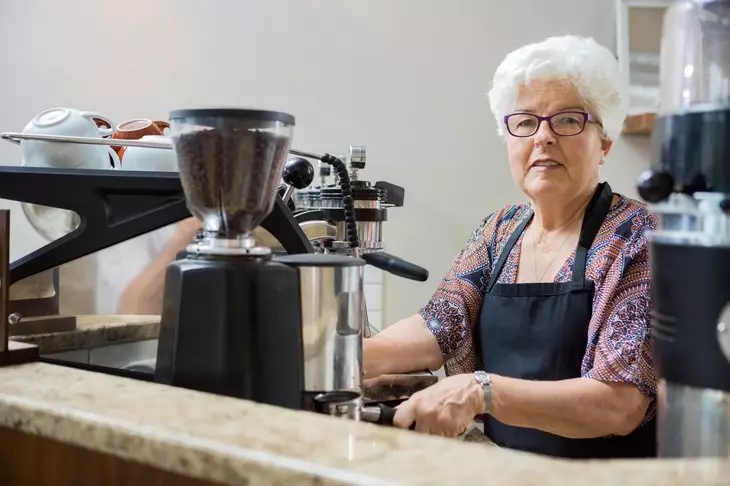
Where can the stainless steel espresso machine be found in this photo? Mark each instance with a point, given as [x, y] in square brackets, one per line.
[323, 200]
[689, 188]
[239, 321]
[318, 206]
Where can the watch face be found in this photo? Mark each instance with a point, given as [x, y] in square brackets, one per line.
[482, 377]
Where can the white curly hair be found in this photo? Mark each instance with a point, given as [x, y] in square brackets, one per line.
[581, 61]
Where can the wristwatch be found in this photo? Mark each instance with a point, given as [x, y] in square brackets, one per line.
[485, 381]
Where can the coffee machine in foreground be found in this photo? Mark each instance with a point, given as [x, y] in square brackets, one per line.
[236, 321]
[689, 188]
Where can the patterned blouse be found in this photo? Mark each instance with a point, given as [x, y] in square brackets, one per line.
[619, 346]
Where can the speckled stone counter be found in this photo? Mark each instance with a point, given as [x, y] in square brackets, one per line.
[238, 442]
[96, 330]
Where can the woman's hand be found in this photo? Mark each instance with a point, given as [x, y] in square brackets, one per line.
[446, 408]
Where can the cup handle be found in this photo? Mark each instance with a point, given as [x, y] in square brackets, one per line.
[120, 152]
[162, 125]
[105, 124]
[115, 161]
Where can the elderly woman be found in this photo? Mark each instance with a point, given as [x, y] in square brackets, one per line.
[542, 323]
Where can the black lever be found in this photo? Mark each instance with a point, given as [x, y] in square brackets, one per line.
[394, 195]
[384, 414]
[298, 173]
[397, 266]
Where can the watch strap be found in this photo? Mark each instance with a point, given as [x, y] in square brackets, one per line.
[485, 381]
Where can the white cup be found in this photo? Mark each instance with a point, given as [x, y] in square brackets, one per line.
[69, 122]
[154, 159]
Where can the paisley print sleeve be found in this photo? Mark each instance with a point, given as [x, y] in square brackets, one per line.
[623, 351]
[454, 307]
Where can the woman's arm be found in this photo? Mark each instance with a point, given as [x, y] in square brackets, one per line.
[143, 296]
[413, 345]
[576, 408]
[403, 347]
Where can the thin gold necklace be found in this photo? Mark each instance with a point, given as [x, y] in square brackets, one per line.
[534, 257]
[560, 249]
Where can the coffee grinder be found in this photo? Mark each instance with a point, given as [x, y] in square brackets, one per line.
[231, 315]
[689, 189]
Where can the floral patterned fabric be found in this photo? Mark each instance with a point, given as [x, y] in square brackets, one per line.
[619, 346]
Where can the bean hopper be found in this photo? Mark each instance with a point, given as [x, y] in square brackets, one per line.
[688, 187]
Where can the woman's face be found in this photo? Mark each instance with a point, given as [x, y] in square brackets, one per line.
[547, 164]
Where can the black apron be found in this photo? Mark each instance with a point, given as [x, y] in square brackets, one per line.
[539, 331]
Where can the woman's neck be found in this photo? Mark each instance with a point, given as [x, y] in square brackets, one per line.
[553, 215]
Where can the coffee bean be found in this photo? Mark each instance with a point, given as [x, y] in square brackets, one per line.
[230, 175]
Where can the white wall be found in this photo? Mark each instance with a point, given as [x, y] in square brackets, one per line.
[407, 78]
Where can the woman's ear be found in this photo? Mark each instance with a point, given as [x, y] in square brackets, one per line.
[606, 145]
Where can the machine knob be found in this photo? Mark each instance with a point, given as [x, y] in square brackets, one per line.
[654, 187]
[358, 156]
[298, 173]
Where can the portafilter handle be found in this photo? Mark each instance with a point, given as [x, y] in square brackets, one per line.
[397, 266]
[380, 414]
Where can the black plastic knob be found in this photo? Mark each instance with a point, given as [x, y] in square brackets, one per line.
[655, 186]
[298, 173]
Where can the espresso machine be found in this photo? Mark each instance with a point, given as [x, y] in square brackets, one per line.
[237, 320]
[323, 200]
[318, 207]
[688, 188]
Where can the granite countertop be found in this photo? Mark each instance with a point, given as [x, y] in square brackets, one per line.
[239, 442]
[96, 330]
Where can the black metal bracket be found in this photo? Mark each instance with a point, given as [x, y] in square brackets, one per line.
[114, 206]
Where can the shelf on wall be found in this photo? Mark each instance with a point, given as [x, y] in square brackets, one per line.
[639, 25]
[639, 124]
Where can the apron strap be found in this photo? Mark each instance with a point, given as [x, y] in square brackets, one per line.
[596, 212]
[497, 269]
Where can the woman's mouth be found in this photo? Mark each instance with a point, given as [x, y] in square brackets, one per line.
[545, 164]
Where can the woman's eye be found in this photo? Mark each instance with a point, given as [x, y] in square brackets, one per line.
[569, 120]
[526, 123]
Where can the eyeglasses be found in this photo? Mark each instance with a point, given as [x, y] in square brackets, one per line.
[565, 123]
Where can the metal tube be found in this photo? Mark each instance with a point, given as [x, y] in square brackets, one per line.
[287, 194]
[307, 155]
[18, 137]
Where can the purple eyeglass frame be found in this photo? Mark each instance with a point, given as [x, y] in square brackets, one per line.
[587, 118]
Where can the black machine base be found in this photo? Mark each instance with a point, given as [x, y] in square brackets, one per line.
[231, 326]
[690, 290]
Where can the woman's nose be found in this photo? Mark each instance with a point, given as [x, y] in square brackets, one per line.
[544, 135]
